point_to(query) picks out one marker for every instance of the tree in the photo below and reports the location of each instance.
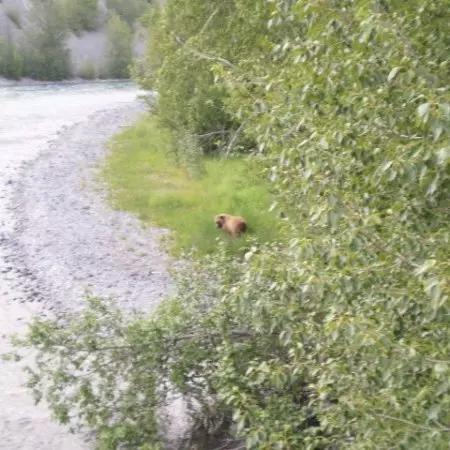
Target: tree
(352, 111)
(119, 48)
(81, 15)
(46, 54)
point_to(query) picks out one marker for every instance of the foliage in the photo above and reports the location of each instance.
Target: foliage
(147, 179)
(119, 53)
(46, 56)
(352, 108)
(340, 339)
(177, 65)
(128, 10)
(81, 15)
(97, 362)
(104, 371)
(42, 52)
(11, 60)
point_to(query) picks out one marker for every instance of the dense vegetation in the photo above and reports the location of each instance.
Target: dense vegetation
(341, 337)
(42, 52)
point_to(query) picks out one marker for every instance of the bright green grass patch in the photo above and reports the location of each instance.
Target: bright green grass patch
(145, 181)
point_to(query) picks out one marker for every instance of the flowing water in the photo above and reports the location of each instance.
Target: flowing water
(30, 117)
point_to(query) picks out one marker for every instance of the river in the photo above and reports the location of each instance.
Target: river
(30, 118)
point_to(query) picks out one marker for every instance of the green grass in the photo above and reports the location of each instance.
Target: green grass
(145, 181)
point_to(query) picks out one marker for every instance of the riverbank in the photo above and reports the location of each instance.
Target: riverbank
(65, 228)
(5, 82)
(58, 237)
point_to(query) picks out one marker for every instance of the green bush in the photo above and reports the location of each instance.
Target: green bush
(355, 110)
(341, 338)
(119, 52)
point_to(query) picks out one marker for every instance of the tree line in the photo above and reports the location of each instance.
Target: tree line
(41, 52)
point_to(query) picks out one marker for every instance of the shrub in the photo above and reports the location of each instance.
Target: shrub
(119, 53)
(354, 116)
(103, 398)
(121, 388)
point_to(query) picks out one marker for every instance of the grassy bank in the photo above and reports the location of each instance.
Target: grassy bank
(145, 180)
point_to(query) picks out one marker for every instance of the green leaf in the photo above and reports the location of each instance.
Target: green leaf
(446, 109)
(425, 267)
(423, 110)
(434, 411)
(441, 367)
(437, 127)
(393, 73)
(444, 387)
(324, 143)
(443, 155)
(435, 292)
(433, 186)
(367, 33)
(385, 166)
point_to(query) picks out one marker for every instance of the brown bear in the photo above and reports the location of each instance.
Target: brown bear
(233, 225)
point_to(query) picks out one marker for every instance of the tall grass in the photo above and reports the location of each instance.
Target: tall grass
(145, 180)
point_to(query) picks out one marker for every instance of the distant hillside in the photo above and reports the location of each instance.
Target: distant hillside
(87, 48)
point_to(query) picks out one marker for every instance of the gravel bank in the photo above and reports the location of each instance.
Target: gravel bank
(63, 240)
(67, 240)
